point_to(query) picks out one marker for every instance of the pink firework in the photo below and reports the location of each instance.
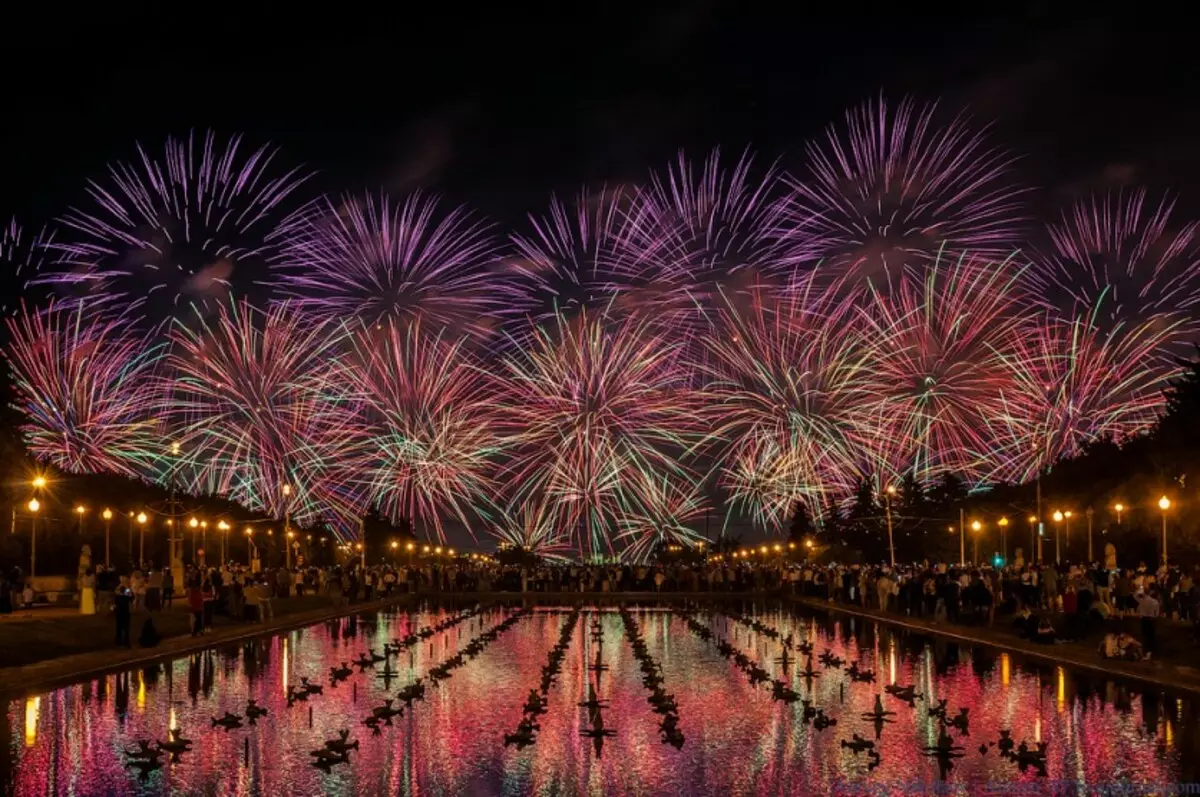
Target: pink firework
(785, 375)
(578, 257)
(1123, 258)
(165, 238)
(426, 440)
(372, 258)
(662, 510)
(86, 390)
(1070, 384)
(934, 348)
(590, 403)
(894, 185)
(534, 526)
(259, 416)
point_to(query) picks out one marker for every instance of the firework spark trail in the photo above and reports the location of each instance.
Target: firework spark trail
(22, 255)
(1126, 256)
(426, 435)
(533, 526)
(1069, 384)
(203, 223)
(257, 407)
(372, 258)
(932, 348)
(885, 191)
(657, 512)
(86, 389)
(578, 257)
(588, 405)
(785, 376)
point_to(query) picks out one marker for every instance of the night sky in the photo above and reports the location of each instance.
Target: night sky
(500, 110)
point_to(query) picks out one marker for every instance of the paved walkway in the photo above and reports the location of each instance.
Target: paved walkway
(1174, 641)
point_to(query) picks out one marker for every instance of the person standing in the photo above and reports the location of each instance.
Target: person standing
(195, 599)
(122, 609)
(1148, 609)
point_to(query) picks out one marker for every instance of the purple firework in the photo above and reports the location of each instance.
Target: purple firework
(711, 229)
(372, 258)
(892, 186)
(580, 256)
(1125, 255)
(22, 254)
(162, 238)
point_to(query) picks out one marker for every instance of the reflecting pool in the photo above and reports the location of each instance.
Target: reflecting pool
(738, 737)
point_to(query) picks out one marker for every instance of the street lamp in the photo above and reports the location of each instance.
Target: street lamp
(250, 548)
(976, 527)
(224, 528)
(141, 519)
(1164, 504)
(1004, 539)
(1089, 514)
(80, 510)
(1058, 519)
(1034, 553)
(34, 506)
(39, 482)
(107, 515)
(1119, 508)
(887, 504)
(1067, 523)
(193, 524)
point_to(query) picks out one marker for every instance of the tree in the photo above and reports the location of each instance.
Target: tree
(802, 526)
(832, 524)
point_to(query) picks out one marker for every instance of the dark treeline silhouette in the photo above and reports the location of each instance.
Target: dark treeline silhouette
(1133, 474)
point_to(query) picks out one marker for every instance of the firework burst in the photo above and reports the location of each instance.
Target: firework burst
(165, 238)
(659, 512)
(579, 257)
(934, 369)
(86, 388)
(257, 409)
(426, 433)
(784, 382)
(1069, 384)
(706, 230)
(892, 186)
(533, 527)
(373, 259)
(589, 405)
(22, 255)
(1127, 256)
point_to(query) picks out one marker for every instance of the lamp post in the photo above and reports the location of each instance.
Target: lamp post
(34, 506)
(250, 548)
(1004, 539)
(80, 510)
(193, 524)
(1089, 514)
(1067, 522)
(1058, 519)
(1164, 504)
(287, 526)
(141, 519)
(175, 538)
(107, 515)
(976, 527)
(962, 538)
(1119, 508)
(223, 527)
(1033, 540)
(204, 541)
(129, 517)
(887, 503)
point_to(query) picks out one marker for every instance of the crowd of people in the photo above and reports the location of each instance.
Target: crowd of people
(1047, 603)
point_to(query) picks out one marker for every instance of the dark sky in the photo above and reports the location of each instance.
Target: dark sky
(499, 109)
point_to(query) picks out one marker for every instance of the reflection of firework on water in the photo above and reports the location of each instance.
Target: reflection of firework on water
(374, 259)
(578, 257)
(707, 230)
(1069, 384)
(887, 189)
(933, 346)
(658, 512)
(256, 409)
(161, 236)
(1126, 256)
(86, 389)
(785, 377)
(533, 526)
(426, 434)
(589, 404)
(22, 254)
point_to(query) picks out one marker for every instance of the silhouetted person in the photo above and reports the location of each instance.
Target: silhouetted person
(122, 606)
